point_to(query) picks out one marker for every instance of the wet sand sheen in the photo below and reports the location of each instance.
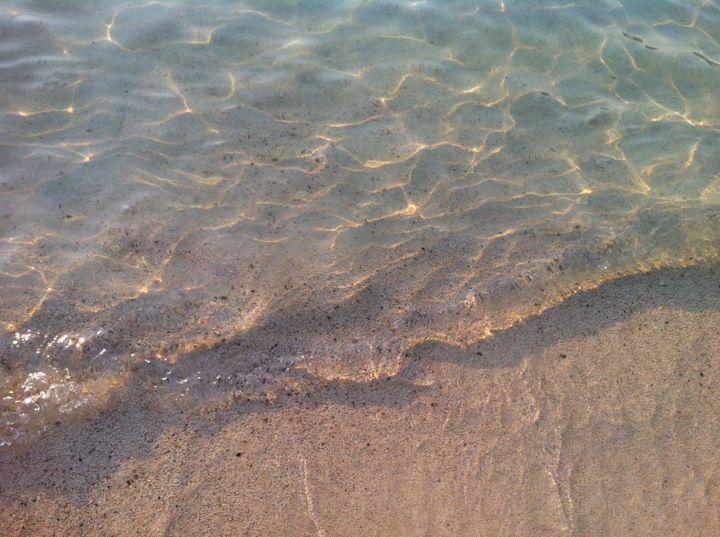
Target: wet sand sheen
(598, 417)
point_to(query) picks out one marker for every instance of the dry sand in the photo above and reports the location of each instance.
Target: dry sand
(598, 417)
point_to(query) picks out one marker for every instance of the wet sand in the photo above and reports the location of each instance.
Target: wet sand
(598, 417)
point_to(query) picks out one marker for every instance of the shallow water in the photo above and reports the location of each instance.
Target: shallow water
(323, 184)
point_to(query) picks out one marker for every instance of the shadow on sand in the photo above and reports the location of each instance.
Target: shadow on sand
(74, 457)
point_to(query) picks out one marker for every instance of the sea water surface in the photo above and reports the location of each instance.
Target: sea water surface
(319, 184)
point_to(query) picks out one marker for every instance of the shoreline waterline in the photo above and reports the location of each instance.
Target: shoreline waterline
(555, 412)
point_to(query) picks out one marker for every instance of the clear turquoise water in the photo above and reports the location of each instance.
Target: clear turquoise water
(329, 182)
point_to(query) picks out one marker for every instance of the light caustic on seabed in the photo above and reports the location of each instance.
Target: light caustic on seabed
(324, 182)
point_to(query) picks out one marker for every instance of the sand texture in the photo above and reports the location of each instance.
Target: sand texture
(599, 417)
(359, 268)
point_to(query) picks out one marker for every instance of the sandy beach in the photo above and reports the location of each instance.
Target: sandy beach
(598, 417)
(348, 268)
